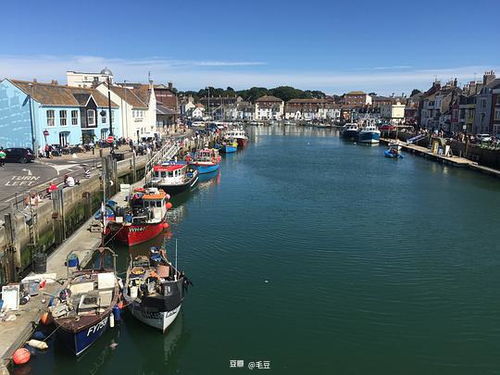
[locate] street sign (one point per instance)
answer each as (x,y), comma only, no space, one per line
(110,139)
(45,133)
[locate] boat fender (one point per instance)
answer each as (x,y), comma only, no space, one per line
(112,320)
(21,356)
(39,335)
(38,344)
(117,313)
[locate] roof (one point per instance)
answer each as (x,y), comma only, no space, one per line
(268,98)
(299,101)
(129,96)
(168,168)
(356,93)
(50,94)
(162,110)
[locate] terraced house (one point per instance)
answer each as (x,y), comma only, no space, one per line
(34,114)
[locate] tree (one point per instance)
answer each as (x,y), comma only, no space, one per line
(415,92)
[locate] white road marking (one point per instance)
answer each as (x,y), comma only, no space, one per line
(27,170)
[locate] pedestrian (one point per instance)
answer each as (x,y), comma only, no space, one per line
(2,157)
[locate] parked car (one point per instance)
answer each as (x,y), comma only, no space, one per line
(483,137)
(19,155)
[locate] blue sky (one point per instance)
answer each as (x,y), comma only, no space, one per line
(335,46)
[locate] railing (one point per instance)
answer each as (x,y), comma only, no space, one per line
(166,152)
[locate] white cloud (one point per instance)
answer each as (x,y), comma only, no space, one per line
(197,74)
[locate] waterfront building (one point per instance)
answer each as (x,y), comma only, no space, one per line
(245,111)
(196,113)
(138,113)
(34,114)
(213,102)
(186,105)
(269,107)
(393,112)
(88,80)
(379,101)
(311,109)
(357,99)
(484,117)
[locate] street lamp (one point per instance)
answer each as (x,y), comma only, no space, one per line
(109,110)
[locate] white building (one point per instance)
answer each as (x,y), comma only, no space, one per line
(393,112)
(82,79)
(186,107)
(196,113)
(137,109)
(269,108)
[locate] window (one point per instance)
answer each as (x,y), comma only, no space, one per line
(91,117)
(50,118)
(74,117)
(103,119)
(497,114)
(63,118)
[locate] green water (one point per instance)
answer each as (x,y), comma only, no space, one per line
(323,257)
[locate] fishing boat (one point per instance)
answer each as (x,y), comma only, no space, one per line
(369,134)
(154,289)
(206,160)
(229,146)
(174,177)
(350,131)
(393,151)
(239,135)
(142,219)
(87,304)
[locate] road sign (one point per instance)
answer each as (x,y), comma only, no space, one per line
(45,133)
(110,139)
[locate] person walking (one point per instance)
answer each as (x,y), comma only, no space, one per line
(2,157)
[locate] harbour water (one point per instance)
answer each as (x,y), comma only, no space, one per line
(321,257)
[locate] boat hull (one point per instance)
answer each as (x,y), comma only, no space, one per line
(228,149)
(242,142)
(369,137)
(136,234)
(177,189)
(391,155)
(350,134)
(206,168)
(79,341)
(160,320)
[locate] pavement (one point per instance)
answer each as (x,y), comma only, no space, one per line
(17,180)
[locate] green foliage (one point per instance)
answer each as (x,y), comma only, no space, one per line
(415,92)
(283,92)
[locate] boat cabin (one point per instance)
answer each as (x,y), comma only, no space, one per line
(207,155)
(148,205)
(171,174)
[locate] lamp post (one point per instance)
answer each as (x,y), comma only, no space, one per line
(109,110)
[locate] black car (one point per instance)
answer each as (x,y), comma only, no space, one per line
(19,155)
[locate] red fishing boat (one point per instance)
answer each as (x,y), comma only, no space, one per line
(143,218)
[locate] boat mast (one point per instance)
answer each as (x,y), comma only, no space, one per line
(176,271)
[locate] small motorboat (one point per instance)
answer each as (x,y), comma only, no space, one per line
(239,135)
(174,177)
(350,131)
(154,289)
(206,160)
(394,151)
(229,146)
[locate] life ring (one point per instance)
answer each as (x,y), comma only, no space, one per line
(138,271)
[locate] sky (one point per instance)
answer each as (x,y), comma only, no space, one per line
(334,46)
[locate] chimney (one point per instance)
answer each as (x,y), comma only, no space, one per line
(488,77)
(455,82)
(170,86)
(54,82)
(34,80)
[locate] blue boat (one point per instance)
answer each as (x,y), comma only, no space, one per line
(369,134)
(229,146)
(205,161)
(393,152)
(86,306)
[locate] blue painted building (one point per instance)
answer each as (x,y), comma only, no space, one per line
(34,114)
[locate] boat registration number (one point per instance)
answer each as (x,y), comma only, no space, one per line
(98,326)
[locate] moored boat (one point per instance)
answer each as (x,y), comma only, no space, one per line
(369,134)
(229,146)
(143,218)
(87,304)
(154,289)
(174,177)
(206,160)
(239,135)
(350,131)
